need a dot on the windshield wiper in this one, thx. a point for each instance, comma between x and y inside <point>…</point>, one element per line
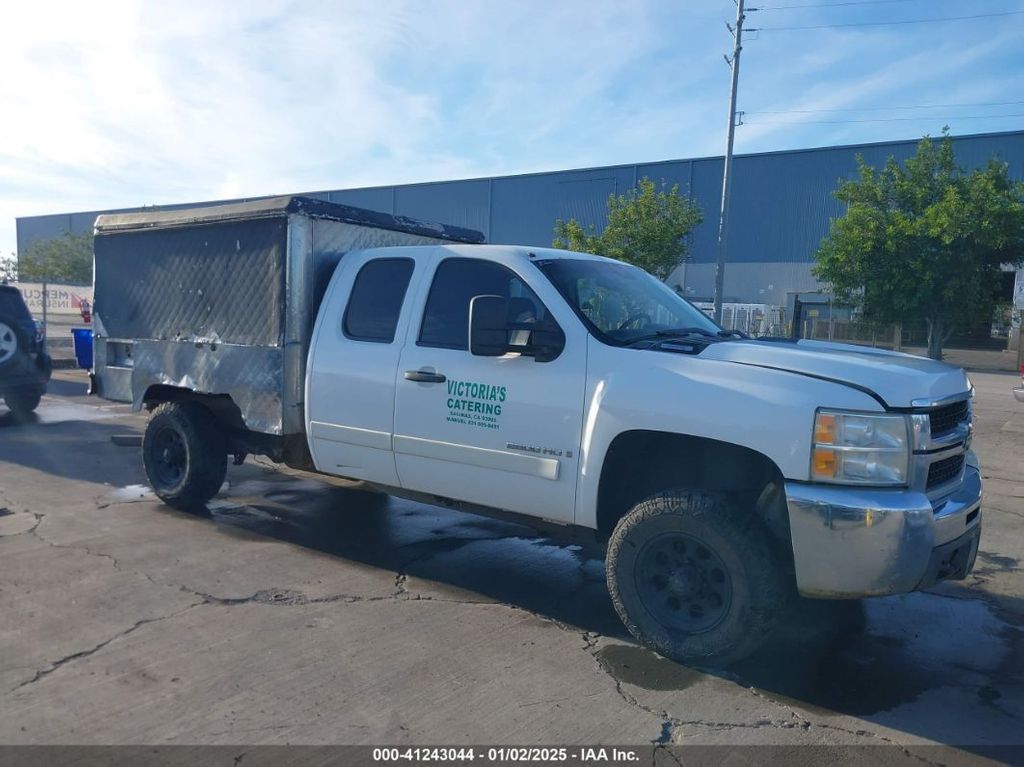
<point>675,333</point>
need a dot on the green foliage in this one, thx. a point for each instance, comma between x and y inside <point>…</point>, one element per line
<point>646,227</point>
<point>924,240</point>
<point>8,268</point>
<point>66,259</point>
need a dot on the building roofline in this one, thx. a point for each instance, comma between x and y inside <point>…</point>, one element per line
<point>703,158</point>
<point>534,174</point>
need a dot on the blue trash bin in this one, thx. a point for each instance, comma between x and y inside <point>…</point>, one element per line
<point>83,347</point>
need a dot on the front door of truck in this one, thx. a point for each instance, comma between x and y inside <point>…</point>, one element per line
<point>498,431</point>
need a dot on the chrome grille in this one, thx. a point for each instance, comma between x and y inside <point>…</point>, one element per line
<point>945,470</point>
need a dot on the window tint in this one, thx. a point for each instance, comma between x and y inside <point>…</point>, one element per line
<point>456,282</point>
<point>376,300</point>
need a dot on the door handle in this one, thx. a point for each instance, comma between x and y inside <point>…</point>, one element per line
<point>424,376</point>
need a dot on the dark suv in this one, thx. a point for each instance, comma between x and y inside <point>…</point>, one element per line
<point>25,366</point>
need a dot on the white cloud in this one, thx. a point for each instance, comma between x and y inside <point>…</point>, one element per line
<point>129,102</point>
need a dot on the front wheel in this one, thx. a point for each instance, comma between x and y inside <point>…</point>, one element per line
<point>185,455</point>
<point>694,579</point>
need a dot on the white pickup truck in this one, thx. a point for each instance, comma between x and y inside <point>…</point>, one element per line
<point>725,473</point>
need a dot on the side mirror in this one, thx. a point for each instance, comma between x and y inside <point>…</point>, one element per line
<point>489,329</point>
<point>488,326</point>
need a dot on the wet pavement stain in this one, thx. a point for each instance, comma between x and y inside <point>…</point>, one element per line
<point>642,668</point>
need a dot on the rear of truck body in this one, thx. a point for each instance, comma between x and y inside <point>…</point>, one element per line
<point>222,300</point>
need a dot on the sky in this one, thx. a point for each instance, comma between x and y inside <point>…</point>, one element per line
<point>119,103</point>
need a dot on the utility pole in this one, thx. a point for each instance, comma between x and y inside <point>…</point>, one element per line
<point>723,218</point>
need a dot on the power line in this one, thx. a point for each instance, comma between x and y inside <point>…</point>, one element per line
<point>881,109</point>
<point>885,119</point>
<point>887,23</point>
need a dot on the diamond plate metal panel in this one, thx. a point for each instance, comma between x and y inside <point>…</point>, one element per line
<point>222,283</point>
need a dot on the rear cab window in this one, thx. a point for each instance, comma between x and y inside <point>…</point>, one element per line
<point>376,300</point>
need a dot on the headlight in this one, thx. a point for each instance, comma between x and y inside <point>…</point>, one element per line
<point>859,448</point>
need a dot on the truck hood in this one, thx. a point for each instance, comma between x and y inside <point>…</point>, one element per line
<point>895,379</point>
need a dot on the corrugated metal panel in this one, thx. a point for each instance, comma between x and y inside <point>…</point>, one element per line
<point>380,198</point>
<point>781,205</point>
<point>461,203</point>
<point>524,208</point>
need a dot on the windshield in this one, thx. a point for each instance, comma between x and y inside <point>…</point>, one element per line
<point>621,303</point>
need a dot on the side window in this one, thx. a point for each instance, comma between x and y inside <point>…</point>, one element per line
<point>376,300</point>
<point>456,282</point>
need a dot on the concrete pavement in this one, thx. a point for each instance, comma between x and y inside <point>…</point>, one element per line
<point>297,611</point>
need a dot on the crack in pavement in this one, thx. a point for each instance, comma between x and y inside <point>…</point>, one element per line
<point>41,674</point>
<point>670,724</point>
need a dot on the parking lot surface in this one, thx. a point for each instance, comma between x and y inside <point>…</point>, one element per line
<point>300,611</point>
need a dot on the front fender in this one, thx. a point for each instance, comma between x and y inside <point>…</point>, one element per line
<point>768,411</point>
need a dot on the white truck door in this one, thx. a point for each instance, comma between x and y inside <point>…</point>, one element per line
<point>352,368</point>
<point>501,431</point>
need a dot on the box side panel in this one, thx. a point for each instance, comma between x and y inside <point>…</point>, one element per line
<point>200,308</point>
<point>223,282</point>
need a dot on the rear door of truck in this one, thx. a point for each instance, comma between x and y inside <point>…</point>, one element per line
<point>354,362</point>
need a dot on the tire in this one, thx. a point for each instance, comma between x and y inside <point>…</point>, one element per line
<point>695,579</point>
<point>23,400</point>
<point>185,455</point>
<point>13,343</point>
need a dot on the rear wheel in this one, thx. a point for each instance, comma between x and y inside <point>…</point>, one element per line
<point>185,454</point>
<point>695,579</point>
<point>23,400</point>
<point>12,341</point>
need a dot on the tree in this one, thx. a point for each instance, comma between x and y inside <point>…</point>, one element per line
<point>66,259</point>
<point>646,227</point>
<point>924,240</point>
<point>8,268</point>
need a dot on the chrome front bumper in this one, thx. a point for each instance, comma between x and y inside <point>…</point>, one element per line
<point>850,542</point>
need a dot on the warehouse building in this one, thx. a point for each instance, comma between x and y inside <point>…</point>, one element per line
<point>782,203</point>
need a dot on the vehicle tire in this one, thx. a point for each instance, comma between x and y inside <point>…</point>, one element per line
<point>185,455</point>
<point>23,400</point>
<point>13,342</point>
<point>695,579</point>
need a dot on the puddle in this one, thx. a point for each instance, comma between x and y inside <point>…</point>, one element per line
<point>130,493</point>
<point>906,646</point>
<point>642,668</point>
<point>857,658</point>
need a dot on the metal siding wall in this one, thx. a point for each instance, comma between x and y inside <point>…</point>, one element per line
<point>669,173</point>
<point>32,228</point>
<point>707,192</point>
<point>781,206</point>
<point>377,198</point>
<point>462,203</point>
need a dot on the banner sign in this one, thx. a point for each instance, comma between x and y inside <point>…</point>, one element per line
<point>60,299</point>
